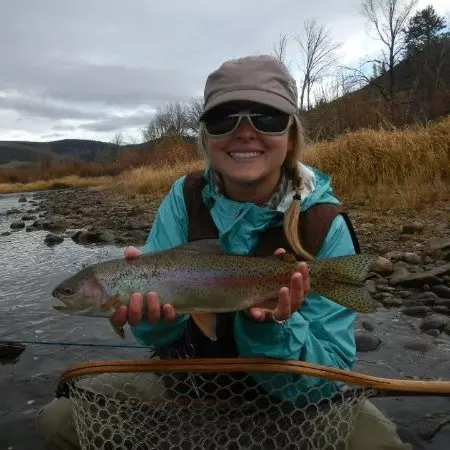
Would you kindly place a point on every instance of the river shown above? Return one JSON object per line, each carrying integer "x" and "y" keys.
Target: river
{"x": 30, "y": 269}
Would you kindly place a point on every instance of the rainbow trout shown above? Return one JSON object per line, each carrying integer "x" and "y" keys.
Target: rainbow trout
{"x": 201, "y": 280}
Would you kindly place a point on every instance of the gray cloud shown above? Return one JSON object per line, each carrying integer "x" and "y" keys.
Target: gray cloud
{"x": 92, "y": 62}
{"x": 116, "y": 122}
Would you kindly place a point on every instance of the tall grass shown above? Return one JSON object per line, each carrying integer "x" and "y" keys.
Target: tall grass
{"x": 70, "y": 181}
{"x": 396, "y": 168}
{"x": 400, "y": 168}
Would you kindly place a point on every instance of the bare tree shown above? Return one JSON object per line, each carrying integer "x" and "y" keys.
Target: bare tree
{"x": 389, "y": 18}
{"x": 179, "y": 119}
{"x": 117, "y": 141}
{"x": 193, "y": 111}
{"x": 318, "y": 57}
{"x": 279, "y": 48}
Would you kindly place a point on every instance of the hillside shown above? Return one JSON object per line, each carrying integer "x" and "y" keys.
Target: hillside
{"x": 66, "y": 149}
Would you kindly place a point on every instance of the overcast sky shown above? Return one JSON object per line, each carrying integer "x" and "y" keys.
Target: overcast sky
{"x": 90, "y": 69}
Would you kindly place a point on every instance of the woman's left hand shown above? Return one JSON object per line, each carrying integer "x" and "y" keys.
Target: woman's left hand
{"x": 290, "y": 299}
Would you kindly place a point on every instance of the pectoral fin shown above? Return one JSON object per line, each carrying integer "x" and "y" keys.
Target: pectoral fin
{"x": 207, "y": 322}
{"x": 119, "y": 330}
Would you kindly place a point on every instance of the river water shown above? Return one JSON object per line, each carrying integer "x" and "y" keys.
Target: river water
{"x": 29, "y": 270}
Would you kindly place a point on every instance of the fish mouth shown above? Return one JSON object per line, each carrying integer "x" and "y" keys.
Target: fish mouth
{"x": 72, "y": 310}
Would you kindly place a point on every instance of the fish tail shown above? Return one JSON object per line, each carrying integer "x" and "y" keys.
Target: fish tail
{"x": 342, "y": 280}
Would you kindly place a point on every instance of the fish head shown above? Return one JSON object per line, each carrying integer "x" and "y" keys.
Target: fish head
{"x": 80, "y": 294}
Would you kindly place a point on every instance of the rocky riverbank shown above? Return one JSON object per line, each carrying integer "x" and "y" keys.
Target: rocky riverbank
{"x": 408, "y": 337}
{"x": 415, "y": 275}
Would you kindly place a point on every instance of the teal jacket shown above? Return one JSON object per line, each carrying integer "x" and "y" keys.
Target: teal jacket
{"x": 321, "y": 331}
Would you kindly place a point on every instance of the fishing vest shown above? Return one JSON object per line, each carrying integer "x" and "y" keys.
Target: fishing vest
{"x": 314, "y": 225}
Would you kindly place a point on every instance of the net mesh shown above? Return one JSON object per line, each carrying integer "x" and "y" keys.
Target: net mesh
{"x": 194, "y": 410}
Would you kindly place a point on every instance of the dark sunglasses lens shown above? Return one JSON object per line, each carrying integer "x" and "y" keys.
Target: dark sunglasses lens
{"x": 220, "y": 125}
{"x": 271, "y": 123}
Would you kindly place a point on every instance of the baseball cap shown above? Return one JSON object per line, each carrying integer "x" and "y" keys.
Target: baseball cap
{"x": 261, "y": 79}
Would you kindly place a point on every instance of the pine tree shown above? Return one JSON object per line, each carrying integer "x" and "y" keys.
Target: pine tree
{"x": 423, "y": 29}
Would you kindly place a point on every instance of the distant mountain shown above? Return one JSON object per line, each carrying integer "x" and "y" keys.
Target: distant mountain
{"x": 16, "y": 152}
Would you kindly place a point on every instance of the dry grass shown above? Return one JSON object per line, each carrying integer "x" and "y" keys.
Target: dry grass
{"x": 147, "y": 180}
{"x": 400, "y": 169}
{"x": 390, "y": 169}
{"x": 70, "y": 181}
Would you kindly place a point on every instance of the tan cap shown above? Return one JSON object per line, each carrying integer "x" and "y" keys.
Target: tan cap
{"x": 262, "y": 79}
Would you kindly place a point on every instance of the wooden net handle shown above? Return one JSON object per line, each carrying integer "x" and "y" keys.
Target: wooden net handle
{"x": 258, "y": 365}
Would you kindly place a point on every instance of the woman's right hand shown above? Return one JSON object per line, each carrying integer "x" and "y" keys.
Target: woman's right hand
{"x": 133, "y": 313}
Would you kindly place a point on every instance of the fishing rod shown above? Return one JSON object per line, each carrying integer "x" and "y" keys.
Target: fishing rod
{"x": 10, "y": 347}
{"x": 12, "y": 343}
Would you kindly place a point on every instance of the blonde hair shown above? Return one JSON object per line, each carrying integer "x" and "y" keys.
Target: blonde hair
{"x": 292, "y": 215}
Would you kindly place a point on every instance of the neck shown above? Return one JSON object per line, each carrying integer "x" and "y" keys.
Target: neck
{"x": 257, "y": 192}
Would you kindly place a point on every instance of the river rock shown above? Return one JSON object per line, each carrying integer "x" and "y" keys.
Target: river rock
{"x": 434, "y": 322}
{"x": 440, "y": 309}
{"x": 17, "y": 225}
{"x": 54, "y": 225}
{"x": 419, "y": 279}
{"x": 443, "y": 302}
{"x": 412, "y": 258}
{"x": 13, "y": 211}
{"x": 28, "y": 217}
{"x": 439, "y": 244}
{"x": 395, "y": 255}
{"x": 434, "y": 332}
{"x": 23, "y": 199}
{"x": 383, "y": 266}
{"x": 413, "y": 228}
{"x": 416, "y": 311}
{"x": 366, "y": 342}
{"x": 5, "y": 233}
{"x": 106, "y": 237}
{"x": 53, "y": 239}
{"x": 369, "y": 326}
{"x": 418, "y": 346}
{"x": 371, "y": 286}
{"x": 441, "y": 290}
{"x": 392, "y": 302}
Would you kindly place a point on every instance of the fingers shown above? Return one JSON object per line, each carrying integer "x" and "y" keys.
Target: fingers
{"x": 302, "y": 267}
{"x": 135, "y": 308}
{"x": 131, "y": 253}
{"x": 119, "y": 318}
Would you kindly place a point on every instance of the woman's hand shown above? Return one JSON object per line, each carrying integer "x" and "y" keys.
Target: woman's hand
{"x": 289, "y": 299}
{"x": 134, "y": 311}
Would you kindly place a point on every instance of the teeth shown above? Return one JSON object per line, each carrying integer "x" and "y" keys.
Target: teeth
{"x": 245, "y": 155}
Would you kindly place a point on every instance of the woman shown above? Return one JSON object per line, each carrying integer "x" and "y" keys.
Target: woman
{"x": 252, "y": 142}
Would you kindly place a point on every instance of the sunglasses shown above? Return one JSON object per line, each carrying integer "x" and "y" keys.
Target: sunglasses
{"x": 265, "y": 123}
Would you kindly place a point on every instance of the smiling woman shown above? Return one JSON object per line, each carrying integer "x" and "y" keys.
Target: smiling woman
{"x": 258, "y": 198}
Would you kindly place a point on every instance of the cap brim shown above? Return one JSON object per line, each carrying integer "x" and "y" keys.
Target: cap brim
{"x": 265, "y": 98}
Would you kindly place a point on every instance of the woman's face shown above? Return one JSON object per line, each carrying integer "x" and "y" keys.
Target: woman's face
{"x": 246, "y": 157}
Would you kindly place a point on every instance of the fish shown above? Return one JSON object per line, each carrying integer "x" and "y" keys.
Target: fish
{"x": 202, "y": 280}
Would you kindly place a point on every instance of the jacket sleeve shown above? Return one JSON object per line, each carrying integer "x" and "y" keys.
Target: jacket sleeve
{"x": 320, "y": 332}
{"x": 169, "y": 229}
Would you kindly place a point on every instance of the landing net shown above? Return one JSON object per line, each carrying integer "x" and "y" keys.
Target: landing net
{"x": 166, "y": 405}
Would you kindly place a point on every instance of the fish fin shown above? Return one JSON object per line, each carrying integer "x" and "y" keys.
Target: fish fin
{"x": 203, "y": 245}
{"x": 113, "y": 302}
{"x": 207, "y": 322}
{"x": 118, "y": 329}
{"x": 356, "y": 298}
{"x": 341, "y": 279}
{"x": 288, "y": 257}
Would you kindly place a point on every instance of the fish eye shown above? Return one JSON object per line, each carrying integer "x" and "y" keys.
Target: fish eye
{"x": 67, "y": 291}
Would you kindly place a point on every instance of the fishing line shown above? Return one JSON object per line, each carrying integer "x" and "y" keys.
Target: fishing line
{"x": 12, "y": 343}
